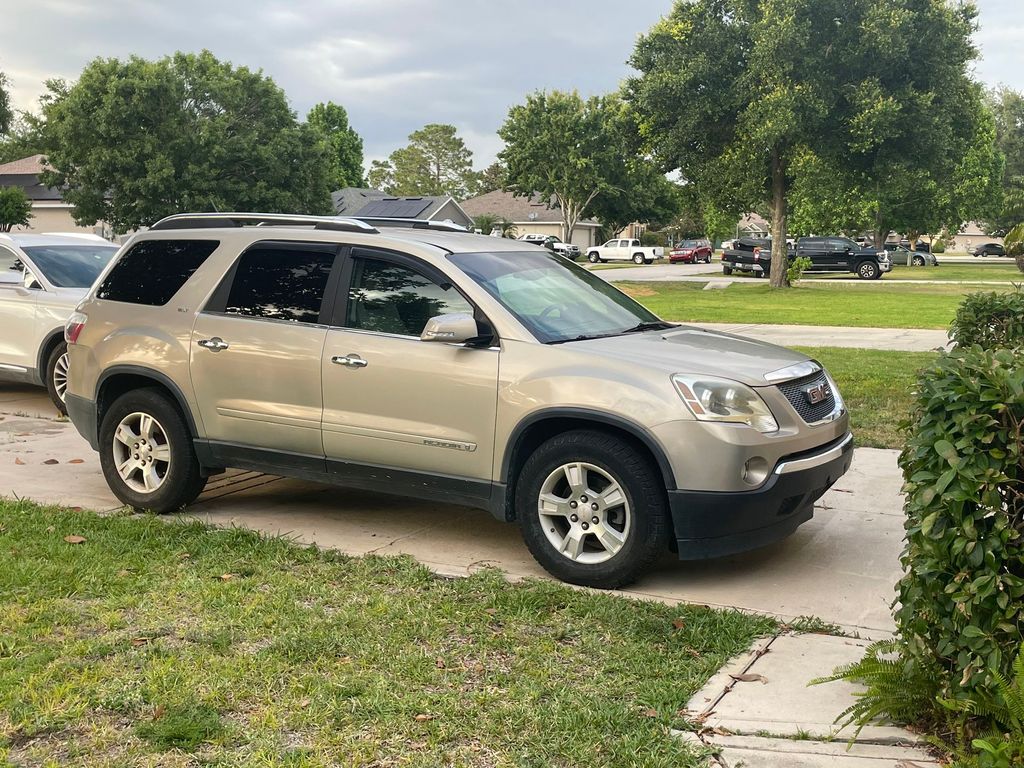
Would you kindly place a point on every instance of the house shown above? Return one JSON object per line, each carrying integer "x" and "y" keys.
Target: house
{"x": 353, "y": 201}
{"x": 971, "y": 235}
{"x": 531, "y": 215}
{"x": 49, "y": 211}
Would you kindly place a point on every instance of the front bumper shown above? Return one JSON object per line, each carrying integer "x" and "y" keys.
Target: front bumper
{"x": 713, "y": 524}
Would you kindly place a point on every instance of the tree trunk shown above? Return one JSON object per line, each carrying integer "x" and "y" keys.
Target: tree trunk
{"x": 880, "y": 234}
{"x": 780, "y": 261}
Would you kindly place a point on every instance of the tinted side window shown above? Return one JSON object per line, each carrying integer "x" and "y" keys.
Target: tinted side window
{"x": 154, "y": 270}
{"x": 391, "y": 298}
{"x": 280, "y": 284}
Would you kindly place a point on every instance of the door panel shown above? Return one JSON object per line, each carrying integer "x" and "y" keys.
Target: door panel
{"x": 393, "y": 400}
{"x": 263, "y": 390}
{"x": 257, "y": 347}
{"x": 18, "y": 306}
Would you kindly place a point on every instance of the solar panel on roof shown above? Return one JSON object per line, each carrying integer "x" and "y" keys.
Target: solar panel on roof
{"x": 395, "y": 209}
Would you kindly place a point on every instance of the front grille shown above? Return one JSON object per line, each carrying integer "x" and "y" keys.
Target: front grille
{"x": 796, "y": 392}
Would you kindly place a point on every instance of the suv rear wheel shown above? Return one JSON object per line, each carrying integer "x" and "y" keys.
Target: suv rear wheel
{"x": 57, "y": 376}
{"x": 594, "y": 258}
{"x": 146, "y": 453}
{"x": 592, "y": 509}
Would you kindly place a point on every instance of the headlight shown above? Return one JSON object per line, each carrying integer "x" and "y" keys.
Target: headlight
{"x": 711, "y": 399}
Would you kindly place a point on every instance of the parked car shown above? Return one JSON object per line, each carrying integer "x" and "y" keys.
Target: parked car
{"x": 903, "y": 256}
{"x": 624, "y": 250}
{"x": 552, "y": 243}
{"x": 691, "y": 252}
{"x": 827, "y": 254}
{"x": 42, "y": 279}
{"x": 989, "y": 249}
{"x": 439, "y": 364}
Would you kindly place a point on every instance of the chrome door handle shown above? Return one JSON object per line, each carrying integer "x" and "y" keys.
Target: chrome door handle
{"x": 349, "y": 361}
{"x": 216, "y": 344}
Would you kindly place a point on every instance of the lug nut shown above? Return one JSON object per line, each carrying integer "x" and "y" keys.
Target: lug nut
{"x": 585, "y": 527}
{"x": 583, "y": 499}
{"x": 594, "y": 506}
{"x": 573, "y": 505}
{"x": 574, "y": 518}
{"x": 594, "y": 520}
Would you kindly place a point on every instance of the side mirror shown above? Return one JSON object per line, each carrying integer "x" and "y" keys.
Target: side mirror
{"x": 12, "y": 279}
{"x": 450, "y": 329}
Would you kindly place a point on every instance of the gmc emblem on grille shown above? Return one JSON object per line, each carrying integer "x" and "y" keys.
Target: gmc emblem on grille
{"x": 817, "y": 394}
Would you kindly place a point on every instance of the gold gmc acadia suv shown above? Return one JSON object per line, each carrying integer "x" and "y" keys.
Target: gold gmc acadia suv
{"x": 414, "y": 358}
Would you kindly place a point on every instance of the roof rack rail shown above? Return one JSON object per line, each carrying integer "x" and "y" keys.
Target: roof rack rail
{"x": 224, "y": 220}
{"x": 384, "y": 221}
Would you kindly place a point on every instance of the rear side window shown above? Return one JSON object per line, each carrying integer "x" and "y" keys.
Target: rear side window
{"x": 280, "y": 284}
{"x": 152, "y": 271}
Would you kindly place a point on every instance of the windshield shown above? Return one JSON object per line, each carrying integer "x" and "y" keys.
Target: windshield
{"x": 555, "y": 299}
{"x": 71, "y": 266}
{"x": 690, "y": 244}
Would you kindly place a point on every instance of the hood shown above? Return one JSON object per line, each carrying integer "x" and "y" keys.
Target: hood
{"x": 687, "y": 349}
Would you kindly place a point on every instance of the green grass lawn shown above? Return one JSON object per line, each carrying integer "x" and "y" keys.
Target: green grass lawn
{"x": 952, "y": 272}
{"x": 857, "y": 304}
{"x": 156, "y": 642}
{"x": 877, "y": 386}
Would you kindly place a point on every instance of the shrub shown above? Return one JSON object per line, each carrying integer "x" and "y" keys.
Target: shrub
{"x": 991, "y": 320}
{"x": 797, "y": 267}
{"x": 939, "y": 246}
{"x": 960, "y": 608}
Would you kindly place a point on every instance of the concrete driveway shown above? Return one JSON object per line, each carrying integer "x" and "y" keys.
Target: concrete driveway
{"x": 841, "y": 566}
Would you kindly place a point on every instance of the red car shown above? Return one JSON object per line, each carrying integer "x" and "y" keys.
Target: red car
{"x": 691, "y": 252}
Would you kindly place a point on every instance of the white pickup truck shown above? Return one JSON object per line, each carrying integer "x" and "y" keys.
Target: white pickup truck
{"x": 624, "y": 250}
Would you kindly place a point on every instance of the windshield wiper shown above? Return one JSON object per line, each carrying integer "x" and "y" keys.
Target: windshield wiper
{"x": 654, "y": 325}
{"x": 583, "y": 338}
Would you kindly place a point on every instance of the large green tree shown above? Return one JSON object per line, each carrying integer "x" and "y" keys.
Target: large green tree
{"x": 330, "y": 121}
{"x": 743, "y": 96}
{"x": 6, "y": 111}
{"x": 133, "y": 141}
{"x": 435, "y": 162}
{"x": 565, "y": 148}
{"x": 1008, "y": 108}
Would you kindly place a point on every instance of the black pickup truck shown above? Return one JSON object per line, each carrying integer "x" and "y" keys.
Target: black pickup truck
{"x": 827, "y": 254}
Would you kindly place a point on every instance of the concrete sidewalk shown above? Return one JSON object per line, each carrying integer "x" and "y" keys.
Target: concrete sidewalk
{"x": 901, "y": 339}
{"x": 760, "y": 711}
{"x": 840, "y": 566}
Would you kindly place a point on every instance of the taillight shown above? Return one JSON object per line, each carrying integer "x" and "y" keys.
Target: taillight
{"x": 73, "y": 327}
{"x": 757, "y": 254}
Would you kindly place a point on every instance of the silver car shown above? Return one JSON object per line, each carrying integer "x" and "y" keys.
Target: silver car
{"x": 42, "y": 279}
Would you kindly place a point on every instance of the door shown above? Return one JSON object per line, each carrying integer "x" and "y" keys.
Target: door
{"x": 391, "y": 400}
{"x": 256, "y": 351}
{"x": 18, "y": 306}
{"x": 840, "y": 252}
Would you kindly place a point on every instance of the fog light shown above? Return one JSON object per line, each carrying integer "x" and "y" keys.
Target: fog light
{"x": 755, "y": 471}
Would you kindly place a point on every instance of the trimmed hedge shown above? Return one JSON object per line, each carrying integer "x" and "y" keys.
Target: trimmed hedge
{"x": 991, "y": 320}
{"x": 960, "y": 610}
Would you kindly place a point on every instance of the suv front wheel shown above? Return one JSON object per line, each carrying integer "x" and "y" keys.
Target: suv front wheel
{"x": 146, "y": 453}
{"x": 592, "y": 509}
{"x": 868, "y": 270}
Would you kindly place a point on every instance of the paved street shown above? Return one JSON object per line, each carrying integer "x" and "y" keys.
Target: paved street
{"x": 841, "y": 566}
{"x": 902, "y": 339}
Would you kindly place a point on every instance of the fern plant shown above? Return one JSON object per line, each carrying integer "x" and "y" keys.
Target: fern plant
{"x": 895, "y": 687}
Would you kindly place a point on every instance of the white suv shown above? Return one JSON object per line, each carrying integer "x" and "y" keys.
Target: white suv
{"x": 42, "y": 279}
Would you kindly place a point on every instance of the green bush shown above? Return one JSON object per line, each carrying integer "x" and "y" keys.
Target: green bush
{"x": 796, "y": 268}
{"x": 960, "y": 609}
{"x": 939, "y": 246}
{"x": 991, "y": 320}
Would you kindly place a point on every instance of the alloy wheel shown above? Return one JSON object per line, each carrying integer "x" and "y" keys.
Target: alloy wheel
{"x": 142, "y": 454}
{"x": 584, "y": 513}
{"x": 60, "y": 377}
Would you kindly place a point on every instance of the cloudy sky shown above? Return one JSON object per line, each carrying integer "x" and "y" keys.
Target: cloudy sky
{"x": 394, "y": 64}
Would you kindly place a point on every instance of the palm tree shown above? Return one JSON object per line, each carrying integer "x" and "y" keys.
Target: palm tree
{"x": 488, "y": 222}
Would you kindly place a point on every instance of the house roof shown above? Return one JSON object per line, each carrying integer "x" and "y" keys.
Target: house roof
{"x": 519, "y": 210}
{"x": 350, "y": 199}
{"x": 26, "y": 165}
{"x": 24, "y": 173}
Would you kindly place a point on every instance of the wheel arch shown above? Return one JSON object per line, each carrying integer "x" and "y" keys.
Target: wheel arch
{"x": 51, "y": 340}
{"x": 120, "y": 379}
{"x": 538, "y": 427}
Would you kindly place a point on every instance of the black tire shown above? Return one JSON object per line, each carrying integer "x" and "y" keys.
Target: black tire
{"x": 648, "y": 529}
{"x": 638, "y": 258}
{"x": 182, "y": 480}
{"x": 868, "y": 270}
{"x": 917, "y": 261}
{"x": 726, "y": 270}
{"x": 57, "y": 376}
{"x": 593, "y": 258}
